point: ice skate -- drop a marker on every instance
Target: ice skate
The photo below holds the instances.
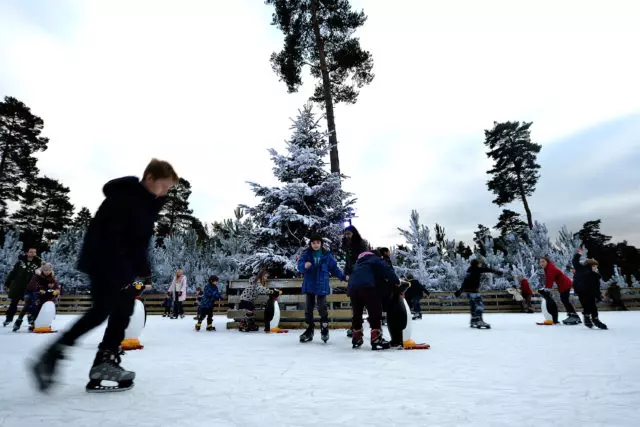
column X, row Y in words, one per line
column 106, row 367
column 44, row 369
column 478, row 323
column 598, row 323
column 587, row 321
column 324, row 331
column 17, row 325
column 377, row 340
column 349, row 333
column 198, row 325
column 307, row 335
column 6, row 323
column 356, row 338
column 210, row 327
column 572, row 319
column 416, row 316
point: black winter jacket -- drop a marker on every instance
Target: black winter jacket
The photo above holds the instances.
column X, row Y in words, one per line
column 471, row 281
column 582, row 270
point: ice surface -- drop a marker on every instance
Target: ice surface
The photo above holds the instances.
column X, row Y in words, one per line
column 516, row 374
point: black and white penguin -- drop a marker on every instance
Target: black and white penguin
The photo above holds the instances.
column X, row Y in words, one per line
column 399, row 320
column 272, row 312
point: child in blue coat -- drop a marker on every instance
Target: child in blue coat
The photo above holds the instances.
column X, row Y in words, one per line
column 210, row 295
column 316, row 264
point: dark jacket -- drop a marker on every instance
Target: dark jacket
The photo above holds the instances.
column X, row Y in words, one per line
column 20, row 275
column 581, row 272
column 371, row 272
column 591, row 284
column 316, row 278
column 416, row 290
column 210, row 296
column 353, row 249
column 471, row 282
column 116, row 244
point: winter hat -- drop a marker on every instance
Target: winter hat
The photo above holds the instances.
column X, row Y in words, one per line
column 315, row 237
column 47, row 268
column 591, row 261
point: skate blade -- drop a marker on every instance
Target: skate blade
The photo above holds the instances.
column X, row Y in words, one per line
column 92, row 387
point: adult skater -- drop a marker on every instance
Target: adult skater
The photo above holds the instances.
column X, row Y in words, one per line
column 114, row 253
column 553, row 275
column 369, row 273
column 316, row 263
column 18, row 279
column 586, row 283
column 470, row 286
column 353, row 245
column 178, row 293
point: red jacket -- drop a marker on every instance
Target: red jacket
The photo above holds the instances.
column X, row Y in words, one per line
column 554, row 275
column 525, row 288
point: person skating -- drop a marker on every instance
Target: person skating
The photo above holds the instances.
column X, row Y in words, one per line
column 317, row 263
column 386, row 292
column 178, row 293
column 257, row 286
column 587, row 285
column 199, row 294
column 210, row 295
column 42, row 287
column 368, row 275
column 527, row 293
column 414, row 295
column 471, row 286
column 114, row 253
column 353, row 245
column 18, row 279
column 553, row 275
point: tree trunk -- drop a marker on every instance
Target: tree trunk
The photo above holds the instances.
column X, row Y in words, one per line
column 44, row 222
column 326, row 84
column 523, row 196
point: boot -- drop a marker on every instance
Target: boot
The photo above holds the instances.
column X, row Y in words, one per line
column 572, row 319
column 6, row 323
column 307, row 335
column 17, row 325
column 106, row 367
column 349, row 333
column 356, row 338
column 44, row 369
column 324, row 331
column 598, row 323
column 210, row 327
column 377, row 340
column 198, row 325
column 587, row 320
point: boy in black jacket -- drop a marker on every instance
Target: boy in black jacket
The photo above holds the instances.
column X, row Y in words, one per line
column 470, row 286
column 114, row 254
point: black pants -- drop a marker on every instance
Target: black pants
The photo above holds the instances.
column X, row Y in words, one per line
column 178, row 309
column 13, row 308
column 109, row 300
column 589, row 306
column 564, row 297
column 369, row 298
column 31, row 306
column 205, row 312
column 321, row 302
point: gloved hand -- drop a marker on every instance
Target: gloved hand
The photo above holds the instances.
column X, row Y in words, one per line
column 42, row 291
column 457, row 293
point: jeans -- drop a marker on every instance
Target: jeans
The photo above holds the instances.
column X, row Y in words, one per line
column 205, row 312
column 321, row 302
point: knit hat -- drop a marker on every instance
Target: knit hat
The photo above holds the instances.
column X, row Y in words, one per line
column 46, row 268
column 315, row 237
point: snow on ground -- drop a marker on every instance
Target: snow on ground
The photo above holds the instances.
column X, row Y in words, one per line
column 516, row 374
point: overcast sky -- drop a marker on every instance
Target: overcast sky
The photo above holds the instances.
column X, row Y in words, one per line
column 118, row 82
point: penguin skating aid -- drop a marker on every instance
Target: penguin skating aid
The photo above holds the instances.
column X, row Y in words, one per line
column 399, row 321
column 272, row 314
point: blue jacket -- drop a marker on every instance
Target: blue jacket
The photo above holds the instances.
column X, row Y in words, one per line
column 316, row 278
column 371, row 272
column 211, row 295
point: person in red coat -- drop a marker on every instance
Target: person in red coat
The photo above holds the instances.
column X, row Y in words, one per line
column 554, row 275
column 525, row 288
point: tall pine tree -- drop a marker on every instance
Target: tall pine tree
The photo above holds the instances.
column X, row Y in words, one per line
column 176, row 214
column 510, row 222
column 45, row 211
column 82, row 218
column 515, row 171
column 19, row 140
column 319, row 33
column 309, row 199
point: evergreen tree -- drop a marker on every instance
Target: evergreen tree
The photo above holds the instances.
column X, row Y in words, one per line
column 19, row 140
column 479, row 237
column 46, row 210
column 310, row 198
column 232, row 236
column 9, row 252
column 175, row 214
column 463, row 250
column 591, row 235
column 510, row 222
column 82, row 218
column 422, row 259
column 440, row 239
column 319, row 33
column 63, row 255
column 515, row 171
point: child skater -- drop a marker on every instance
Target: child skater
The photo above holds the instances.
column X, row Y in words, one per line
column 42, row 287
column 316, row 263
column 470, row 286
column 115, row 251
column 210, row 295
column 587, row 286
column 257, row 286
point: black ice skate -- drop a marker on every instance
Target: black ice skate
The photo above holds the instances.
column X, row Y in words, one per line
column 377, row 340
column 324, row 331
column 6, row 323
column 572, row 319
column 416, row 316
column 198, row 325
column 17, row 325
column 210, row 327
column 587, row 321
column 599, row 324
column 478, row 323
column 307, row 335
column 106, row 367
column 44, row 369
column 356, row 338
column 349, row 333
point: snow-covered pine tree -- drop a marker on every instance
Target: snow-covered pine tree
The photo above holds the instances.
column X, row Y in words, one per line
column 566, row 246
column 496, row 260
column 422, row 259
column 9, row 253
column 63, row 255
column 309, row 199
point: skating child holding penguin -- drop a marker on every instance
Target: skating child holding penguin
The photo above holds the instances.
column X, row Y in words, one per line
column 316, row 263
column 257, row 286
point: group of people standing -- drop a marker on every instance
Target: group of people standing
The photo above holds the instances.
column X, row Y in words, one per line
column 32, row 281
